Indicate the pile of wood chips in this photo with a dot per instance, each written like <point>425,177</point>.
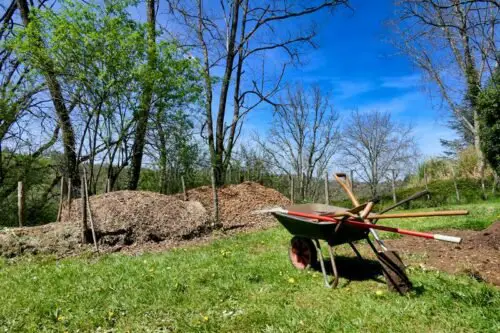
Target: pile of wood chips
<point>139,219</point>
<point>128,217</point>
<point>237,202</point>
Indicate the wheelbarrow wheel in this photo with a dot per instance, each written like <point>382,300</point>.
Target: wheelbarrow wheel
<point>302,252</point>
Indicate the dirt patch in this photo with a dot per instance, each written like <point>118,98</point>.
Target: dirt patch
<point>238,201</point>
<point>137,221</point>
<point>478,255</point>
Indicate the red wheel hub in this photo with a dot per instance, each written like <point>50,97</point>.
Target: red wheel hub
<point>301,253</point>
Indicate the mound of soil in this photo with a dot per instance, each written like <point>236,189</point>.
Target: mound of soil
<point>478,255</point>
<point>127,217</point>
<point>237,202</point>
<point>52,238</point>
<point>143,219</point>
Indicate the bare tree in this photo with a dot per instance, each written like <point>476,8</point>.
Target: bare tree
<point>373,144</point>
<point>229,36</point>
<point>454,42</point>
<point>303,137</point>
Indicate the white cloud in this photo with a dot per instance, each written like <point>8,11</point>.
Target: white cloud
<point>396,104</point>
<point>349,89</point>
<point>401,82</point>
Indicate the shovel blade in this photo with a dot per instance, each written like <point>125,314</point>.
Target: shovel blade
<point>394,272</point>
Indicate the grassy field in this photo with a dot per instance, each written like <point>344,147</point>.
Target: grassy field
<point>238,284</point>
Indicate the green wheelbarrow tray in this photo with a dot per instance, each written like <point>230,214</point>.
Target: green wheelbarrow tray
<point>308,228</point>
<point>305,247</point>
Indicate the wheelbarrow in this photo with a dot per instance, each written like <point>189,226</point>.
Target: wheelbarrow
<point>310,223</point>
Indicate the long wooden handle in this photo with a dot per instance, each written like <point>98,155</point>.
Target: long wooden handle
<point>346,188</point>
<point>401,215</point>
<point>363,225</point>
<point>421,214</point>
<point>413,197</point>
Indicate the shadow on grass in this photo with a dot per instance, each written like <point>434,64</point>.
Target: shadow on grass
<point>353,268</point>
<point>356,269</point>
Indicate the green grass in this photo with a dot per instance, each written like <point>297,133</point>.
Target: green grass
<point>239,284</point>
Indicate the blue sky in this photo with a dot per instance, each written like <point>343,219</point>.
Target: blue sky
<point>361,70</point>
<point>359,67</point>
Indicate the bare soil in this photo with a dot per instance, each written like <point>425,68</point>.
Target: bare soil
<point>478,255</point>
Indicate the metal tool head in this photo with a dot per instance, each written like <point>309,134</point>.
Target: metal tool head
<point>270,210</point>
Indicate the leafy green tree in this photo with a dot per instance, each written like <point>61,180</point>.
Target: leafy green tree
<point>32,51</point>
<point>489,120</point>
<point>105,58</point>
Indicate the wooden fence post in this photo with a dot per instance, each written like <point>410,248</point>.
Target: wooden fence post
<point>70,194</point>
<point>394,198</point>
<point>87,203</point>
<point>20,203</point>
<point>108,185</point>
<point>84,213</point>
<point>327,198</point>
<point>184,188</point>
<point>216,199</point>
<point>455,183</point>
<point>228,174</point>
<point>426,183</point>
<point>61,201</point>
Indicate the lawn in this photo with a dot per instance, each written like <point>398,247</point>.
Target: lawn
<point>243,283</point>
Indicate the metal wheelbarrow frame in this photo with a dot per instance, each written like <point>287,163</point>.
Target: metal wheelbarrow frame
<point>311,227</point>
<point>305,247</point>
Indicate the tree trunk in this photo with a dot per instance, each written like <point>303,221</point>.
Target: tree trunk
<point>495,183</point>
<point>218,159</point>
<point>55,90</point>
<point>145,105</point>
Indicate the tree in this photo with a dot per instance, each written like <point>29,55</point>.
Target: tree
<point>489,121</point>
<point>142,114</point>
<point>234,35</point>
<point>373,144</point>
<point>303,136</point>
<point>43,62</point>
<point>100,70</point>
<point>454,43</point>
<point>105,59</point>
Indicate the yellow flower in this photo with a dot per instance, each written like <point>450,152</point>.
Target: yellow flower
<point>291,280</point>
<point>379,292</point>
<point>205,318</point>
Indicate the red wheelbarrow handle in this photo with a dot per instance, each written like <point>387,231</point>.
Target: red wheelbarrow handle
<point>364,225</point>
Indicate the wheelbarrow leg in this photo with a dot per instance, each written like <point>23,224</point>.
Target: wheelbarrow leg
<point>355,250</point>
<point>335,281</point>
<point>371,245</point>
